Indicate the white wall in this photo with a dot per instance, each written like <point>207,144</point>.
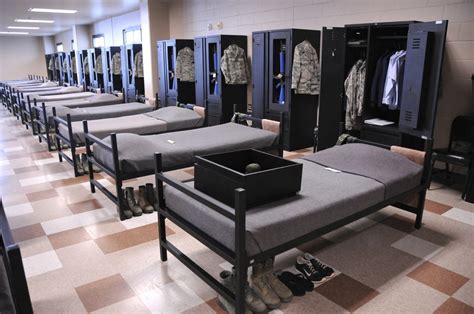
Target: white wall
<point>64,37</point>
<point>82,38</point>
<point>155,26</point>
<point>189,18</point>
<point>112,28</point>
<point>20,56</point>
<point>49,44</point>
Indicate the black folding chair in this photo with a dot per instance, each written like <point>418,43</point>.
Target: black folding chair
<point>460,151</point>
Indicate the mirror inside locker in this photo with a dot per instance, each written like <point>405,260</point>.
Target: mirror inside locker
<point>171,67</point>
<point>213,64</point>
<point>130,65</point>
<point>279,71</point>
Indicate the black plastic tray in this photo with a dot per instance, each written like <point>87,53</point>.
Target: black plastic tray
<point>220,174</point>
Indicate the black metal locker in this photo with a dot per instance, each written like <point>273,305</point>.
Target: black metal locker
<point>200,73</point>
<point>173,90</point>
<point>222,98</point>
<point>332,86</point>
<point>114,81</point>
<point>133,85</point>
<point>259,76</point>
<point>272,93</point>
<point>433,47</point>
<point>160,46</point>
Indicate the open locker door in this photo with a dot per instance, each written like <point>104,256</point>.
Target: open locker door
<point>424,61</point>
<point>332,86</point>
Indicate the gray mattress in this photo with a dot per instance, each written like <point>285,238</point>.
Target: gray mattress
<point>61,97</point>
<point>158,121</point>
<point>63,107</point>
<point>61,91</point>
<point>101,112</point>
<point>325,197</point>
<point>136,152</point>
<point>394,171</point>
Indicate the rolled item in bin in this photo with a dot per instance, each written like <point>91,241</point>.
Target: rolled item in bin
<point>281,98</point>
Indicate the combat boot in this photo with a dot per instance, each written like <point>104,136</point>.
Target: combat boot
<point>132,204</point>
<point>143,200</point>
<point>277,286</point>
<point>253,304</point>
<point>152,195</point>
<point>262,288</point>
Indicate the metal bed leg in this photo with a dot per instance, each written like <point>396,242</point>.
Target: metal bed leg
<point>89,155</point>
<point>72,146</point>
<point>162,206</point>
<point>240,251</point>
<point>118,177</point>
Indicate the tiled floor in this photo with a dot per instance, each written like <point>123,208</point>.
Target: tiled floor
<point>79,257</point>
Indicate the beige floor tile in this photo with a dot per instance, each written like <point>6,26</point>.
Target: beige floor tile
<point>69,237</point>
<point>84,263</point>
<point>83,206</point>
<point>41,195</point>
<point>454,306</point>
<point>202,308</point>
<point>105,228</point>
<point>104,292</point>
<point>346,292</point>
<point>466,293</point>
<point>125,239</point>
<point>35,246</point>
<point>417,247</point>
<point>438,278</point>
<point>465,206</point>
<point>436,207</point>
<point>454,257</point>
<point>41,263</point>
<point>173,297</point>
<point>27,232</point>
<point>404,297</point>
<point>130,305</point>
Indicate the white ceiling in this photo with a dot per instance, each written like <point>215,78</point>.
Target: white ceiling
<point>89,11</point>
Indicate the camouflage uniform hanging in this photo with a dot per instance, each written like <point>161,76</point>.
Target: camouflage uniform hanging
<point>185,65</point>
<point>98,65</point>
<point>138,61</point>
<point>116,64</point>
<point>234,66</point>
<point>305,76</point>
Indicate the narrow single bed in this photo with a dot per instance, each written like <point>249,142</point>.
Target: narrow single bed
<point>162,120</point>
<point>54,91</point>
<point>339,185</point>
<point>45,122</point>
<point>166,119</point>
<point>126,156</point>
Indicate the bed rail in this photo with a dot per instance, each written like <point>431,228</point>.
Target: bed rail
<point>239,257</point>
<point>116,172</point>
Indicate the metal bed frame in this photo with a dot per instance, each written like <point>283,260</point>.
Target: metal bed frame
<point>43,129</point>
<point>70,142</point>
<point>119,177</point>
<point>239,257</point>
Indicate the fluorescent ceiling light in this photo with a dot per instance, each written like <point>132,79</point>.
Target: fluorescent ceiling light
<point>42,10</point>
<point>15,33</point>
<point>23,27</point>
<point>33,21</point>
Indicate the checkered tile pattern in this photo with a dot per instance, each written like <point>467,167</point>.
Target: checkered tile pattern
<point>79,257</point>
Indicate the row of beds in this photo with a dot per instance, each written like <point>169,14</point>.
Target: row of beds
<point>339,185</point>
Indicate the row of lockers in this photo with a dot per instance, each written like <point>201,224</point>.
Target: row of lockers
<point>338,50</point>
<point>110,69</point>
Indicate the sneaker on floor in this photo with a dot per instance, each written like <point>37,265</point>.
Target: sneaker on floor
<point>290,280</point>
<point>307,269</point>
<point>324,269</point>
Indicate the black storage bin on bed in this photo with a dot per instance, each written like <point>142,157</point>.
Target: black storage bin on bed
<point>220,174</point>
